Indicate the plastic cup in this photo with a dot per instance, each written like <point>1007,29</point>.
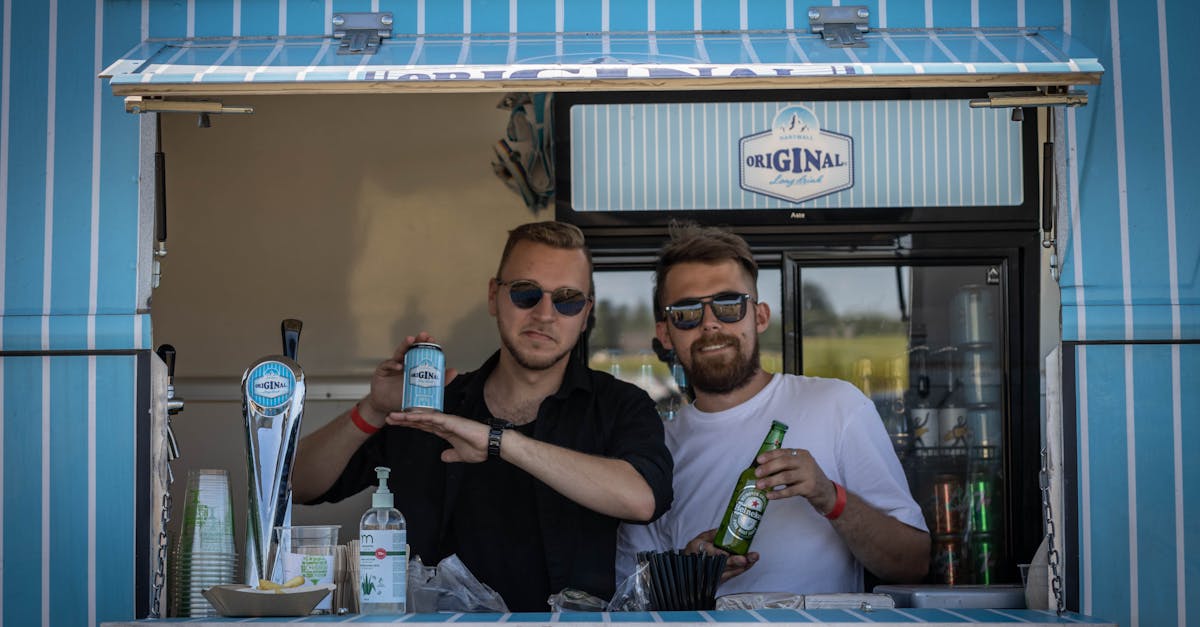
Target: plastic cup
<point>203,555</point>
<point>306,551</point>
<point>207,513</point>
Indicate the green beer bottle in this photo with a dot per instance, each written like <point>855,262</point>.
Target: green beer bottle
<point>747,504</point>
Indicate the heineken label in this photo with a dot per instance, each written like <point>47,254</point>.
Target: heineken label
<point>747,513</point>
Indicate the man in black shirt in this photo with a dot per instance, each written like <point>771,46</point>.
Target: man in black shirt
<point>556,454</point>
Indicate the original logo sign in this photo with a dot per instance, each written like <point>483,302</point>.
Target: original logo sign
<point>796,160</point>
<point>271,384</point>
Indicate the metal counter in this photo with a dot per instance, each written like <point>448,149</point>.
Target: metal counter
<point>731,618</point>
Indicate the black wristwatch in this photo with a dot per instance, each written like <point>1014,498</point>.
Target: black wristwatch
<point>498,427</point>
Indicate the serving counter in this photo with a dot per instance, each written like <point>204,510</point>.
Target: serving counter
<point>731,618</point>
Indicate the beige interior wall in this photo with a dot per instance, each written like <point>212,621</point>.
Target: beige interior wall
<point>367,217</point>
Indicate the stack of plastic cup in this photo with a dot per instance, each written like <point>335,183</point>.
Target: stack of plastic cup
<point>204,556</point>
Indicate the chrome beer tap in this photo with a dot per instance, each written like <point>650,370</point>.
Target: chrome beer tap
<point>272,405</point>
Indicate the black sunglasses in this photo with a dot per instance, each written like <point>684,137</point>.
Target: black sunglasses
<point>526,294</point>
<point>728,307</point>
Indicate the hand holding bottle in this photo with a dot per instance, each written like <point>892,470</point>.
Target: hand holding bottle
<point>797,474</point>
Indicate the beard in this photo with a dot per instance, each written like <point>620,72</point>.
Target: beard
<point>715,376</point>
<point>529,360</point>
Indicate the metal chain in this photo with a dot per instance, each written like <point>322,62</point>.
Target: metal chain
<point>160,569</point>
<point>1052,555</point>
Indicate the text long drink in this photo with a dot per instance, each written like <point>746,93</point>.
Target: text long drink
<point>748,503</point>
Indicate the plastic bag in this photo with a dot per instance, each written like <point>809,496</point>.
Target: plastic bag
<point>633,594</point>
<point>449,587</point>
<point>572,600</point>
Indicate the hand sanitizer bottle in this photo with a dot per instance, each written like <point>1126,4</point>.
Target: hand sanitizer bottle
<point>382,554</point>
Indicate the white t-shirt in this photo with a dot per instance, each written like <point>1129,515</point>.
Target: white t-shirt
<point>800,551</point>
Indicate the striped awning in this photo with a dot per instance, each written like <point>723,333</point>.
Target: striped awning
<point>775,59</point>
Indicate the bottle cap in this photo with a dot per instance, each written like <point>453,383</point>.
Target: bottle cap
<point>382,497</point>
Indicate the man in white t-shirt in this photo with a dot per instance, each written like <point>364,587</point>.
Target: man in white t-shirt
<point>854,508</point>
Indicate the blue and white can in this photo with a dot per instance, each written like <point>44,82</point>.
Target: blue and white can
<point>424,376</point>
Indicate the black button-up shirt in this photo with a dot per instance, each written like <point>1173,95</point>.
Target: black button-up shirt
<point>592,412</point>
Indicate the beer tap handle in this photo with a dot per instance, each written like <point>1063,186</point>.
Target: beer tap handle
<point>166,352</point>
<point>290,328</point>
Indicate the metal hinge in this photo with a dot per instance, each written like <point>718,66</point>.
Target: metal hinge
<point>361,33</point>
<point>840,27</point>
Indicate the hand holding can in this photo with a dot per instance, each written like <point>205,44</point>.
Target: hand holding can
<point>424,377</point>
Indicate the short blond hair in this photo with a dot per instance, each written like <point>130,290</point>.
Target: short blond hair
<point>553,234</point>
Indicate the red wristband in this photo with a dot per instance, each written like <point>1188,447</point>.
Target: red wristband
<point>839,505</point>
<point>362,424</point>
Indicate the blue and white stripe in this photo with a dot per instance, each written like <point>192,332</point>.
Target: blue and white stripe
<point>72,255</point>
<point>979,150</point>
<point>413,57</point>
<point>1138,497</point>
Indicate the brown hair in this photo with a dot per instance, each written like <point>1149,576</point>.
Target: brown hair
<point>550,233</point>
<point>690,242</point>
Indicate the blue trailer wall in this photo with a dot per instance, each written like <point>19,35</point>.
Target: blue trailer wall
<point>1131,314</point>
<point>73,302</point>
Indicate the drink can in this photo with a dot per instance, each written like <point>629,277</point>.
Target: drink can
<point>948,563</point>
<point>952,427</point>
<point>973,316</point>
<point>947,505</point>
<point>984,559</point>
<point>980,375</point>
<point>924,423</point>
<point>984,424</point>
<point>984,510</point>
<point>424,374</point>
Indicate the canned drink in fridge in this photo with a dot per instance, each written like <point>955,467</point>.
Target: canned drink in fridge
<point>983,508</point>
<point>924,423</point>
<point>948,563</point>
<point>979,371</point>
<point>947,505</point>
<point>984,559</point>
<point>973,316</point>
<point>984,426</point>
<point>952,427</point>
<point>424,373</point>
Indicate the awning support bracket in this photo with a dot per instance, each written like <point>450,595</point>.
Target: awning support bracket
<point>840,27</point>
<point>361,33</point>
<point>151,104</point>
<point>1055,96</point>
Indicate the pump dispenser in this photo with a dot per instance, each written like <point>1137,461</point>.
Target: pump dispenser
<point>382,553</point>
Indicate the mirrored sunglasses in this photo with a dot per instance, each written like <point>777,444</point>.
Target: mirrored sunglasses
<point>728,307</point>
<point>525,294</point>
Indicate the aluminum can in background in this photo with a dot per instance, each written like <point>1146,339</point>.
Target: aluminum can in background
<point>984,431</point>
<point>947,505</point>
<point>979,372</point>
<point>982,505</point>
<point>424,376</point>
<point>984,559</point>
<point>949,565</point>
<point>973,316</point>
<point>924,423</point>
<point>952,428</point>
